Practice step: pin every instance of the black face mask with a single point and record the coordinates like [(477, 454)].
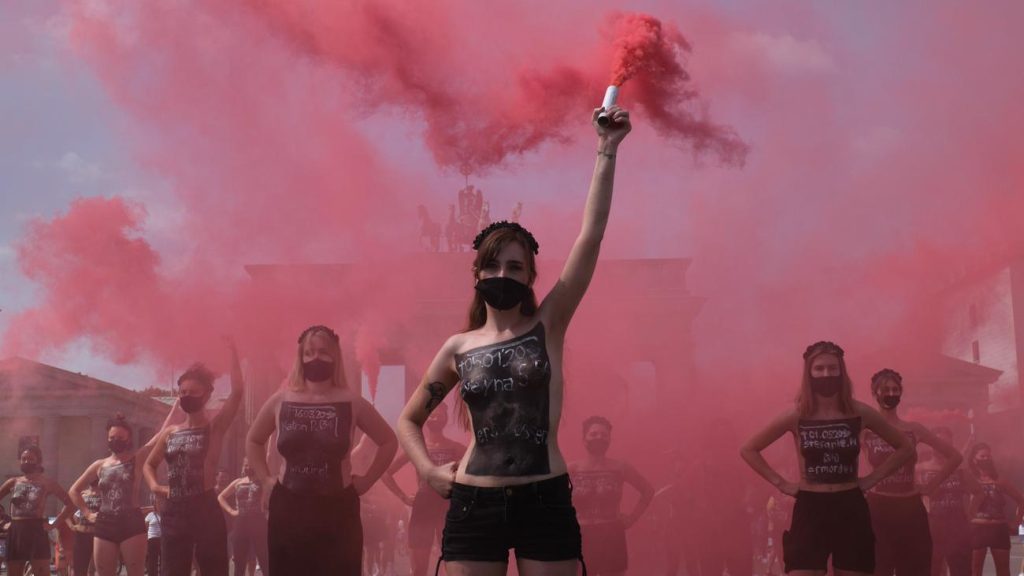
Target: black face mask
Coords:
[(597, 446), (191, 404), (827, 386), (889, 401), (318, 370), (502, 293), (247, 472), (985, 466), (30, 468), (118, 445)]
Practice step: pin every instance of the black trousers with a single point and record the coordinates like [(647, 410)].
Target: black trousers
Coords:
[(83, 553), (249, 537), (194, 526), (314, 534), (153, 557)]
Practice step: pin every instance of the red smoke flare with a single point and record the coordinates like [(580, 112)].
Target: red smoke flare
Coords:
[(649, 53)]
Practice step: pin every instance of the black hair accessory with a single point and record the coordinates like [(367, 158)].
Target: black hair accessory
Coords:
[(887, 373), (318, 328), (531, 241), (823, 347)]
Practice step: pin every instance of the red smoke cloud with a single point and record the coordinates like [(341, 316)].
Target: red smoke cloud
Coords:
[(648, 54), (886, 170)]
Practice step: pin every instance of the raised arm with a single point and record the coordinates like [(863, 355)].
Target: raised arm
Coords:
[(437, 382), (227, 413), (751, 452), (638, 482), (256, 444), (904, 449), (565, 296), (948, 451), (377, 429)]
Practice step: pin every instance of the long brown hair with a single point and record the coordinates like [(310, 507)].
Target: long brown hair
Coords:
[(805, 401), (489, 249)]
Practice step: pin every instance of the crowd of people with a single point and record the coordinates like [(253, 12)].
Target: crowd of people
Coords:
[(316, 511)]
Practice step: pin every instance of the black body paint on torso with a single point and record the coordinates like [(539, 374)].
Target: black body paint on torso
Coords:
[(186, 461), (314, 439), (993, 503), (116, 487), (878, 451), (830, 449), (506, 387), (27, 499), (597, 494), (947, 501), (247, 498)]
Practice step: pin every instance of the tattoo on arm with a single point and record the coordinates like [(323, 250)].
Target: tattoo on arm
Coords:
[(436, 391)]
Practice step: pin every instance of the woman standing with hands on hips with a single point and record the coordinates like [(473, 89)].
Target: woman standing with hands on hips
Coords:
[(314, 526), (830, 517)]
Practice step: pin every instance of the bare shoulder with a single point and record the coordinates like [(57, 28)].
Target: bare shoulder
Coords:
[(275, 399)]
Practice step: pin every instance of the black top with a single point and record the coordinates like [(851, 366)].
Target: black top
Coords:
[(597, 494), (117, 484), (247, 497), (993, 503), (26, 499), (948, 498), (506, 387), (314, 439), (830, 449), (92, 503), (878, 451), (186, 459)]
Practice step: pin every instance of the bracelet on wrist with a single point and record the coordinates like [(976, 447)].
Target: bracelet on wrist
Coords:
[(606, 154)]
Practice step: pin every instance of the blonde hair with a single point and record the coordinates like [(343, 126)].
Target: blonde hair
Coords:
[(297, 378)]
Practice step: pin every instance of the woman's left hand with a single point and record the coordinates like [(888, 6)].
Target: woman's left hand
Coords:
[(616, 130)]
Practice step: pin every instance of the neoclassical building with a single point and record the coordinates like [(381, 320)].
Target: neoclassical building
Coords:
[(65, 414)]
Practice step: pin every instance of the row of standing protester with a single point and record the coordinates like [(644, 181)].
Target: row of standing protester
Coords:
[(878, 523)]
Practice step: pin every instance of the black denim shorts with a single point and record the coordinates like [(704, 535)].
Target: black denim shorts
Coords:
[(536, 519)]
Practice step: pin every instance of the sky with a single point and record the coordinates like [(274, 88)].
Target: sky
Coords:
[(883, 142)]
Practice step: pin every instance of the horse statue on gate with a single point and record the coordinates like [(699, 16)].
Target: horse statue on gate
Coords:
[(430, 231)]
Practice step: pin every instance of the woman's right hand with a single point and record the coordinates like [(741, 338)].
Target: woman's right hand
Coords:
[(442, 477)]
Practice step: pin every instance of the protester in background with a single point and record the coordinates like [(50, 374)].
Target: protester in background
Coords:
[(830, 517), (28, 539), (990, 527), (597, 483)]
